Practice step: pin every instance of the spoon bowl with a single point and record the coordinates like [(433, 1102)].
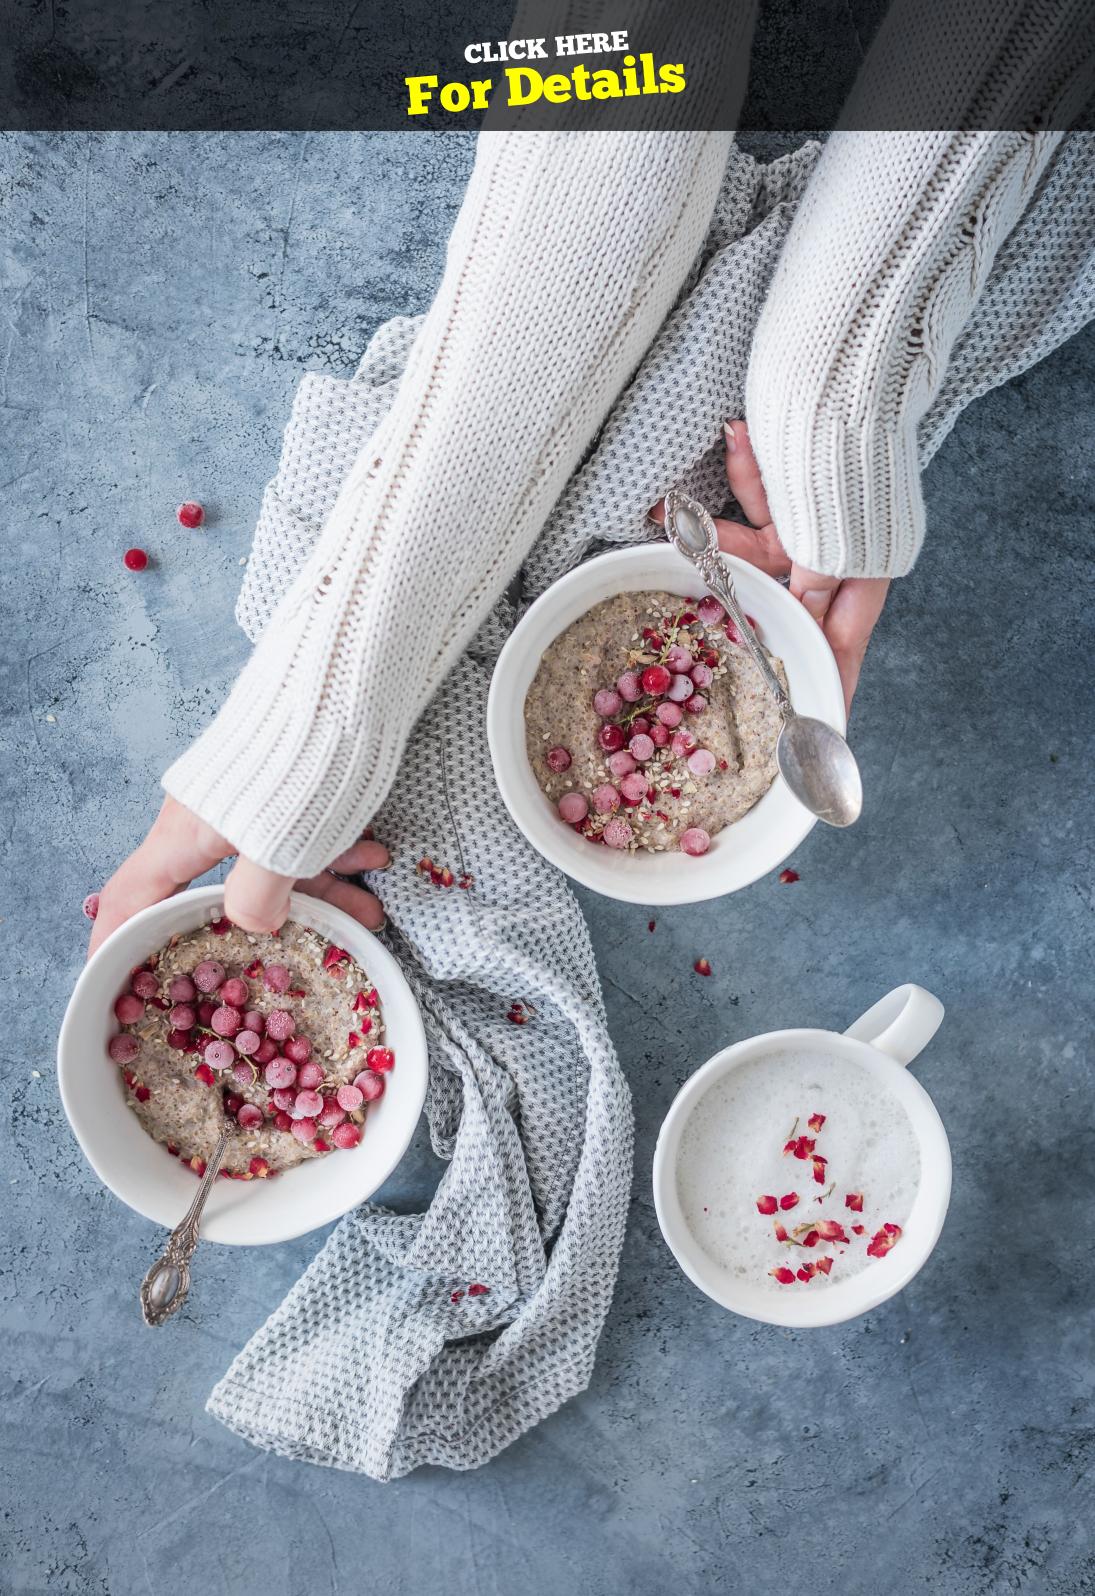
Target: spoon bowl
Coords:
[(813, 758)]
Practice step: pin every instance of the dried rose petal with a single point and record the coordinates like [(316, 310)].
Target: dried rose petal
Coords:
[(783, 1275), (815, 1122), (780, 1230), (831, 1230), (787, 876), (766, 1205), (807, 1271), (456, 1296), (789, 1200), (824, 1265), (334, 956), (702, 967), (478, 1290), (819, 1168), (854, 1201), (859, 1230), (801, 1148), (811, 1239), (221, 927), (882, 1240)]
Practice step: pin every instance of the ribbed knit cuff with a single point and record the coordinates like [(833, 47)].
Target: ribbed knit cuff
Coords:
[(845, 500)]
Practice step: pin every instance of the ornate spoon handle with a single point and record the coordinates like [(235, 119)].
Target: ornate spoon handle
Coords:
[(694, 533), (165, 1287)]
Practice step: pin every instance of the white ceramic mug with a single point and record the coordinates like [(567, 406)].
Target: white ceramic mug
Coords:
[(881, 1042)]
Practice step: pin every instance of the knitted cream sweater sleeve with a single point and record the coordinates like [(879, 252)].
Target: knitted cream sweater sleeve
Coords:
[(568, 253), (884, 261)]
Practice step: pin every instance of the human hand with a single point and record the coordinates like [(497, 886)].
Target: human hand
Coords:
[(180, 846), (846, 608)]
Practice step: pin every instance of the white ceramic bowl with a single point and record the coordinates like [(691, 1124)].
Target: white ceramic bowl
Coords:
[(140, 1172), (740, 854), (881, 1042)]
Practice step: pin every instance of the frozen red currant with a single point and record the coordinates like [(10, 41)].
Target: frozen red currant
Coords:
[(611, 737), (190, 514), (656, 680), (135, 559), (558, 759)]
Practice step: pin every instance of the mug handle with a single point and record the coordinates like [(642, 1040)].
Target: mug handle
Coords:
[(901, 1024)]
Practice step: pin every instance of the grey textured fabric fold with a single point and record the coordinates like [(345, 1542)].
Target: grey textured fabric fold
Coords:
[(367, 1364)]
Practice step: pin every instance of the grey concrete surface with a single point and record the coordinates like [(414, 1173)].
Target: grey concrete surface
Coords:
[(160, 298)]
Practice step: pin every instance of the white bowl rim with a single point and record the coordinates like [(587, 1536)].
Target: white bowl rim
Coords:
[(227, 1226), (869, 1288), (650, 879)]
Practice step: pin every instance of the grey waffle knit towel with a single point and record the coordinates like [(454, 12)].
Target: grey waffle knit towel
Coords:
[(367, 1365)]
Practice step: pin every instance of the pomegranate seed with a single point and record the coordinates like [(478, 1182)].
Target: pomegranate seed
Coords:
[(309, 1074), (208, 975), (787, 876), (90, 905), (190, 514), (280, 1024), (789, 1201), (477, 1290), (629, 687), (607, 702), (617, 833), (250, 1116), (656, 680), (702, 967), (610, 737), (128, 1009), (346, 1135), (369, 1085), (380, 1059), (204, 1074), (702, 762), (574, 806), (882, 1240), (766, 1205), (304, 1130), (558, 759), (134, 559), (710, 610), (854, 1201), (123, 1048), (695, 841), (669, 714), (815, 1122), (783, 1275), (234, 992)]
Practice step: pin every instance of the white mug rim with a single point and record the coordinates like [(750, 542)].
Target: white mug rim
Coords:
[(840, 1301)]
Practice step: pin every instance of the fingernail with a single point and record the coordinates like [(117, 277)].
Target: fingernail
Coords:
[(728, 434), (383, 926), (817, 600)]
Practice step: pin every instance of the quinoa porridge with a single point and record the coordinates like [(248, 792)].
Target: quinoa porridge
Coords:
[(282, 1032), (648, 725)]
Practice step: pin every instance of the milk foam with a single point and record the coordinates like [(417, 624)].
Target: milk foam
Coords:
[(731, 1153)]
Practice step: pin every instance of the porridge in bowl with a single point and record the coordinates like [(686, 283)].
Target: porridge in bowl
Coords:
[(282, 1032), (648, 725)]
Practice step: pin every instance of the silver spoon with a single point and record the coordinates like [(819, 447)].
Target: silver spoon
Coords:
[(813, 758), (166, 1286)]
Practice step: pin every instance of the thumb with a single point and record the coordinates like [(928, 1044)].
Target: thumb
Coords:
[(256, 899), (814, 590)]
